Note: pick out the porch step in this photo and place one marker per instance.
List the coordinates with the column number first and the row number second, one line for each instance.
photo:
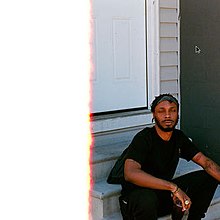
column 104, row 158
column 104, row 196
column 109, row 199
column 117, row 216
column 107, row 148
column 104, row 200
column 213, row 212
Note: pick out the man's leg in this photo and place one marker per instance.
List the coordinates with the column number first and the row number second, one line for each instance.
column 140, row 204
column 200, row 187
column 145, row 204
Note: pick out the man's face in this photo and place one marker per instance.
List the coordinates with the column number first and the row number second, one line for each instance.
column 166, row 115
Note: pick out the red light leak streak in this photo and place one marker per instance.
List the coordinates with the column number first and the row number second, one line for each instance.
column 90, row 138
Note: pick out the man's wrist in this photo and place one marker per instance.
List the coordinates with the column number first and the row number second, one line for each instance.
column 175, row 190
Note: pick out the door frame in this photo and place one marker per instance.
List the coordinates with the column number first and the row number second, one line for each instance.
column 153, row 49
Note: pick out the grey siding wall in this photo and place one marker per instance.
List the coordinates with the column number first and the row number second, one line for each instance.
column 169, row 46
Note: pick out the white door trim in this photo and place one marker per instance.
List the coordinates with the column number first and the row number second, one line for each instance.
column 153, row 49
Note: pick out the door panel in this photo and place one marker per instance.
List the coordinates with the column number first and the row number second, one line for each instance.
column 200, row 73
column 119, row 55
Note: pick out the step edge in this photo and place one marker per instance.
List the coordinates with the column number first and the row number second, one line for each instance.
column 112, row 190
column 215, row 201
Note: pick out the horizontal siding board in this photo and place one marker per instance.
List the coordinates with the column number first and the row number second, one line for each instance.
column 168, row 15
column 169, row 86
column 169, row 47
column 168, row 3
column 168, row 30
column 169, row 44
column 169, row 72
column 168, row 58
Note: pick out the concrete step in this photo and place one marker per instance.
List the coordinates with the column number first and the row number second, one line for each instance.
column 117, row 216
column 103, row 159
column 213, row 213
column 104, row 200
column 105, row 205
column 110, row 137
column 104, row 196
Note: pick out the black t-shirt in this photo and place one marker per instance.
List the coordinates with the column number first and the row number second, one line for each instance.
column 158, row 157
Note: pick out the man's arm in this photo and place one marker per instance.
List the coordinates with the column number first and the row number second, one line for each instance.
column 208, row 165
column 134, row 174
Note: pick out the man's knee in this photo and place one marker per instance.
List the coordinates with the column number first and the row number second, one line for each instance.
column 197, row 179
column 202, row 192
column 145, row 198
column 207, row 179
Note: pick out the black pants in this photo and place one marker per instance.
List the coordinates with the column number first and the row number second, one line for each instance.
column 149, row 204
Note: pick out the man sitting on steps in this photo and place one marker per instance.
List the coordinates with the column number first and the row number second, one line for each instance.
column 149, row 190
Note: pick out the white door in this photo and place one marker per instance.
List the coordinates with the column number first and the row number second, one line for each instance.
column 119, row 55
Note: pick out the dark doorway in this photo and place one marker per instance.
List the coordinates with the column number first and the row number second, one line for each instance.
column 200, row 73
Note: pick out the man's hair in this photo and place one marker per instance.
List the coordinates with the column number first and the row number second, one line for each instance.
column 161, row 98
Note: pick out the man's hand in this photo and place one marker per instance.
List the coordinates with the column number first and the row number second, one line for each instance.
column 183, row 198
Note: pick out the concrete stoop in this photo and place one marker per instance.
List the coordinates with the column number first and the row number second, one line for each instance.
column 105, row 200
column 104, row 196
column 108, row 202
column 213, row 212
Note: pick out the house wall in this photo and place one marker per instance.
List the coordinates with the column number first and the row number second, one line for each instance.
column 169, row 46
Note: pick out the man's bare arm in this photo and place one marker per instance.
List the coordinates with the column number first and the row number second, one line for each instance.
column 134, row 174
column 208, row 165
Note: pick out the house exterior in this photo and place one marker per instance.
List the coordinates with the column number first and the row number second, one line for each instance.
column 136, row 57
column 138, row 53
column 157, row 67
column 139, row 56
